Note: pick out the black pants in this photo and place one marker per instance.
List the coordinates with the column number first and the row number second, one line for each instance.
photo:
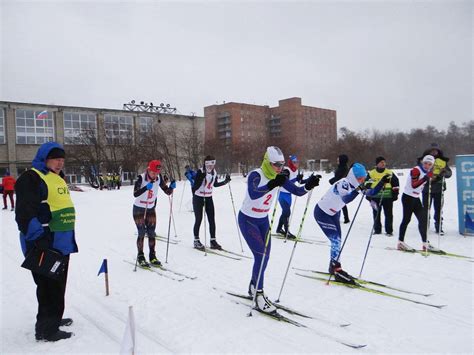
column 412, row 205
column 436, row 203
column 50, row 295
column 198, row 206
column 346, row 213
column 387, row 207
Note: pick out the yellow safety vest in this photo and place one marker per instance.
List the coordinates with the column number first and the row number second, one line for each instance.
column 439, row 164
column 60, row 203
column 376, row 177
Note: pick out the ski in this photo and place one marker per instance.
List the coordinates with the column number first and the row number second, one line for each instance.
column 441, row 253
column 165, row 240
column 155, row 270
column 279, row 317
column 236, row 254
column 371, row 290
column 175, row 272
column 215, row 252
column 300, row 240
column 367, row 282
column 291, row 311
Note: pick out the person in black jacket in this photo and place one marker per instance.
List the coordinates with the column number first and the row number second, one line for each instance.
column 43, row 227
column 441, row 172
column 204, row 182
column 341, row 172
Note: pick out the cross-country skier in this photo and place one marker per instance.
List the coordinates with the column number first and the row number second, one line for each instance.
column 204, row 182
column 420, row 175
column 327, row 212
column 339, row 173
column 144, row 215
column 285, row 199
column 253, row 216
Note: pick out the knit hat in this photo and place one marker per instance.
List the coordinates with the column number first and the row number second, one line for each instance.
column 428, row 159
column 379, row 159
column 56, row 153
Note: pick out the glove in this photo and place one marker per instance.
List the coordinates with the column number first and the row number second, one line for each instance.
column 165, row 178
column 44, row 242
column 312, row 182
column 299, row 177
column 149, row 186
column 227, row 178
column 173, row 184
column 428, row 175
column 364, row 186
column 279, row 180
column 386, row 178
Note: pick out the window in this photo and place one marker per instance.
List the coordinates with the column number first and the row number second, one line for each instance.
column 2, row 126
column 118, row 129
column 33, row 130
column 79, row 127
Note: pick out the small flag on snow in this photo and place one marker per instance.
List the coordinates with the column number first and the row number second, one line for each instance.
column 128, row 346
column 42, row 115
column 103, row 268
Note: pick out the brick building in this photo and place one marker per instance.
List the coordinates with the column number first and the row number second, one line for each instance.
column 239, row 133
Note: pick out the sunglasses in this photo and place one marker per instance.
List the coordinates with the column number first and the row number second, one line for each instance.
column 278, row 164
column 210, row 163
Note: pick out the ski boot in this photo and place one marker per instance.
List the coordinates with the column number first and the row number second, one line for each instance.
column 405, row 247
column 431, row 249
column 58, row 335
column 154, row 260
column 280, row 231
column 215, row 245
column 263, row 303
column 4, row 208
column 198, row 245
column 389, row 234
column 339, row 274
column 142, row 261
column 251, row 290
column 65, row 322
column 290, row 235
column 347, row 221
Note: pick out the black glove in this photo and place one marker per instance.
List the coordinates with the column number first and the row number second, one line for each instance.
column 386, row 178
column 395, row 196
column 44, row 242
column 364, row 186
column 312, row 182
column 279, row 180
column 227, row 178
column 299, row 177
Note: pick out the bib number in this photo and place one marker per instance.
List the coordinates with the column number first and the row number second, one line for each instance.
column 267, row 200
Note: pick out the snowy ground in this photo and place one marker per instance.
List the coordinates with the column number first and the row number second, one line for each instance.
column 192, row 317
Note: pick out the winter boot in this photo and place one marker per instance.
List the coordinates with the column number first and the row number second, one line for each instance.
column 142, row 261
column 428, row 247
column 405, row 247
column 65, row 322
column 198, row 245
column 215, row 245
column 154, row 260
column 339, row 274
column 58, row 335
column 263, row 303
column 4, row 208
column 347, row 221
column 389, row 234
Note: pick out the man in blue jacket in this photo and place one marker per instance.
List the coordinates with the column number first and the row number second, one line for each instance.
column 45, row 216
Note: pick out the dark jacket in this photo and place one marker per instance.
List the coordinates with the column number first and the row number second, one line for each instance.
column 437, row 185
column 342, row 169
column 31, row 214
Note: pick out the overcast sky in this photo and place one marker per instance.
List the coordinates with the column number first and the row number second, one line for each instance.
column 380, row 64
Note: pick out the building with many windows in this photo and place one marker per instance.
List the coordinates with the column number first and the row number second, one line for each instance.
column 24, row 126
column 240, row 132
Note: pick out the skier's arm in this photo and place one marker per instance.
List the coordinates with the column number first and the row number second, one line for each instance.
column 223, row 182
column 138, row 190
column 253, row 181
column 167, row 190
column 415, row 178
column 295, row 190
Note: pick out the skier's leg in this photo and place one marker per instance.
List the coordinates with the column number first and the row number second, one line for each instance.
column 376, row 215
column 436, row 197
column 387, row 205
column 286, row 210
column 198, row 204
column 331, row 228
column 407, row 203
column 420, row 214
column 138, row 217
column 210, row 212
column 150, row 225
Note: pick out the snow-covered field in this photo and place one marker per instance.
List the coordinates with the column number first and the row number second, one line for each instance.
column 192, row 317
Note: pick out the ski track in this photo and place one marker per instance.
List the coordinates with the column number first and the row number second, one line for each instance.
column 190, row 317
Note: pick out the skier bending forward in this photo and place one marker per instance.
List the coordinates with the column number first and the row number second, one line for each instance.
column 253, row 216
column 328, row 209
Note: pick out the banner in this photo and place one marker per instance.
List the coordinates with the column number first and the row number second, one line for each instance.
column 465, row 182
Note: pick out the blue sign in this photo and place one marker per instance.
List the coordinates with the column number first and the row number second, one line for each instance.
column 465, row 182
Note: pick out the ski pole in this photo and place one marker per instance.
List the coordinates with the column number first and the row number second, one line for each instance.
column 235, row 217
column 440, row 224
column 428, row 215
column 291, row 218
column 379, row 207
column 347, row 234
column 267, row 240
column 172, row 214
column 182, row 195
column 169, row 229
column 294, row 246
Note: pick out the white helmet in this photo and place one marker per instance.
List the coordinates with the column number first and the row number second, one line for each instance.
column 275, row 154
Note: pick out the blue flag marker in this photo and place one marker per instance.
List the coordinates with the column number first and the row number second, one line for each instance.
column 103, row 268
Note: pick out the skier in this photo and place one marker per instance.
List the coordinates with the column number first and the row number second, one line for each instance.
column 145, row 192
column 253, row 216
column 45, row 216
column 341, row 172
column 441, row 172
column 419, row 176
column 285, row 199
column 8, row 183
column 384, row 199
column 204, row 182
column 327, row 212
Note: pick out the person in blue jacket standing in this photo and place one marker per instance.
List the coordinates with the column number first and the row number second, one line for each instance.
column 45, row 216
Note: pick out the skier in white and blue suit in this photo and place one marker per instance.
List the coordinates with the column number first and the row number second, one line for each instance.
column 253, row 216
column 328, row 209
